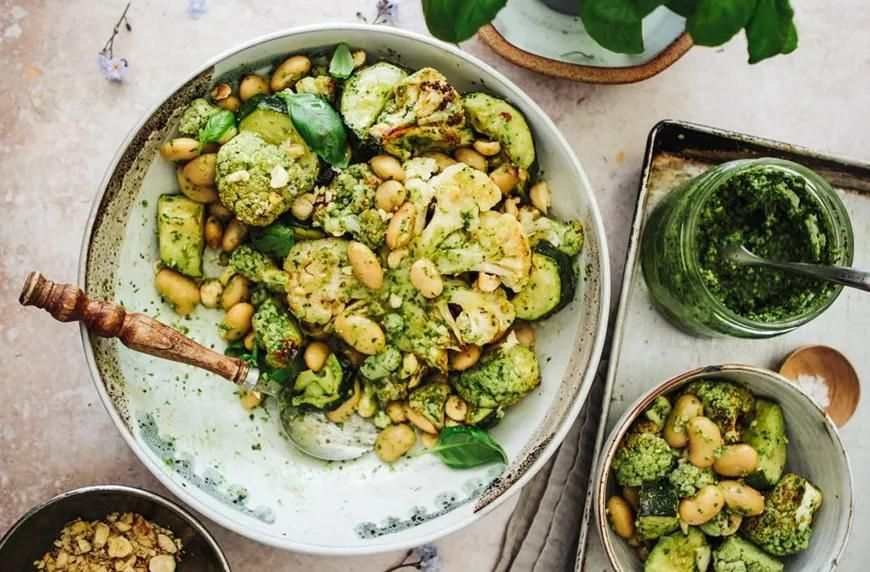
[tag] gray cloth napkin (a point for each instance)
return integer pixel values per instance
(542, 533)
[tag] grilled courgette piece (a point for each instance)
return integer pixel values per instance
(179, 234)
(551, 284)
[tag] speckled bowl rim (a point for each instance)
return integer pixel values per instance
(622, 425)
(132, 491)
(587, 377)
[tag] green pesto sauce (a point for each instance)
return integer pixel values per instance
(774, 215)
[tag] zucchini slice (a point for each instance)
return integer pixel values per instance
(366, 93)
(551, 284)
(503, 122)
(273, 126)
(179, 234)
(766, 434)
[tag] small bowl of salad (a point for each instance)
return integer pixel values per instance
(724, 468)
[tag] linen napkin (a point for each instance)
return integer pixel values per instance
(542, 532)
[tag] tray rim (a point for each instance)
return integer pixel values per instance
(612, 351)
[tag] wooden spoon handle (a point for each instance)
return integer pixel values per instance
(68, 303)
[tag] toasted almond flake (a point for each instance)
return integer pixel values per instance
(280, 177)
(237, 176)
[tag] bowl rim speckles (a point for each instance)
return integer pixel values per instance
(602, 473)
(582, 345)
(125, 490)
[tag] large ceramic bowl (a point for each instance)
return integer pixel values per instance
(814, 451)
(32, 535)
(187, 427)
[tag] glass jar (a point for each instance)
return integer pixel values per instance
(670, 257)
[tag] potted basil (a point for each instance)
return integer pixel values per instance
(617, 25)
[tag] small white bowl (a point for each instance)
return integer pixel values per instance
(814, 451)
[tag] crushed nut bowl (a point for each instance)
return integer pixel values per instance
(33, 534)
(235, 466)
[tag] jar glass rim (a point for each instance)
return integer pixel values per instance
(831, 208)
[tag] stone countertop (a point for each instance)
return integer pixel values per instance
(62, 122)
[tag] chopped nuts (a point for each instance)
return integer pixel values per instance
(120, 543)
(119, 547)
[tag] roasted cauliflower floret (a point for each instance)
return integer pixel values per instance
(347, 206)
(258, 180)
(277, 333)
(429, 400)
(382, 371)
(412, 323)
(501, 378)
(642, 458)
(739, 555)
(566, 236)
(322, 85)
(461, 195)
(424, 113)
(195, 116)
(497, 246)
(483, 316)
(728, 405)
(786, 525)
(687, 479)
(320, 281)
(259, 268)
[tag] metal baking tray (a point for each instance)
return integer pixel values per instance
(646, 349)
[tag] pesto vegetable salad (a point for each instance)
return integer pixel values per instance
(703, 477)
(386, 245)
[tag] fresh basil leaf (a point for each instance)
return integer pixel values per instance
(771, 30)
(341, 65)
(684, 8)
(647, 6)
(274, 240)
(615, 24)
(457, 20)
(216, 126)
(320, 126)
(714, 22)
(464, 447)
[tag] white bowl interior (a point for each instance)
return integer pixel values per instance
(187, 425)
(814, 451)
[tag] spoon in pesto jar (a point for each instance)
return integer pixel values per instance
(740, 255)
(311, 432)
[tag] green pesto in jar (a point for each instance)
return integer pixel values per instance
(774, 214)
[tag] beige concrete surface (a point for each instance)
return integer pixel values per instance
(60, 123)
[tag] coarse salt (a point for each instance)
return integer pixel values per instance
(816, 387)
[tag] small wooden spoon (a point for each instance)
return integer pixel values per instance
(831, 368)
(312, 433)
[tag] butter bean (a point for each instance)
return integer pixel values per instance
(620, 516)
(736, 461)
(289, 72)
(180, 149)
(686, 407)
(705, 439)
(251, 85)
(365, 265)
(703, 506)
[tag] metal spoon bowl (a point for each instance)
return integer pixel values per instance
(739, 254)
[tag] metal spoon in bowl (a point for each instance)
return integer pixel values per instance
(312, 433)
(739, 254)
